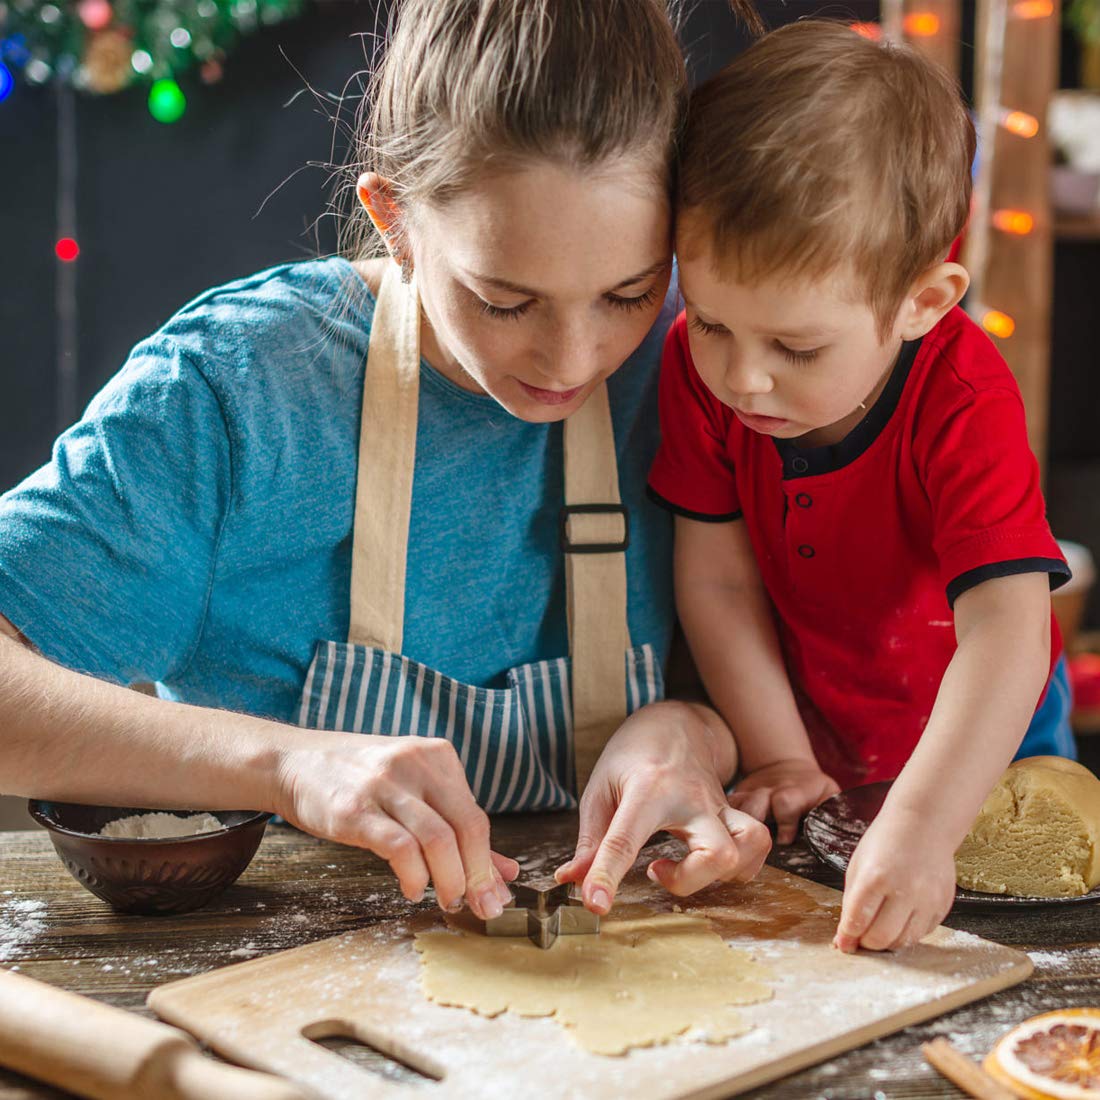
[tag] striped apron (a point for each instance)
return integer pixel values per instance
(532, 744)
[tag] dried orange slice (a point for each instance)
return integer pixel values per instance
(1055, 1056)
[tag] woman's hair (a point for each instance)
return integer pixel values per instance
(470, 86)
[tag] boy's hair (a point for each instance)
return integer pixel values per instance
(818, 148)
(468, 86)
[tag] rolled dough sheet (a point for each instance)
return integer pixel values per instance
(644, 979)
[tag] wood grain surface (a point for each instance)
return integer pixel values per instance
(299, 889)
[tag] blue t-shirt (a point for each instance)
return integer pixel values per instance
(194, 528)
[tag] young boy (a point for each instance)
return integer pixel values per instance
(863, 565)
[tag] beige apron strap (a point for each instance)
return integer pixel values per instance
(387, 454)
(595, 532)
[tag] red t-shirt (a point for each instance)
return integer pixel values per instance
(865, 545)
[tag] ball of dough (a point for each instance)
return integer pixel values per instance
(1038, 833)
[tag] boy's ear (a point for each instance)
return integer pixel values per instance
(376, 195)
(938, 290)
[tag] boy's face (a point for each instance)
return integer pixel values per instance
(789, 356)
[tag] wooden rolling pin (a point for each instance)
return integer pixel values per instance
(106, 1053)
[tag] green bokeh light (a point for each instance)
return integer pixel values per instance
(166, 102)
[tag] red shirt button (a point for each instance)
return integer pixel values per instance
(803, 500)
(807, 551)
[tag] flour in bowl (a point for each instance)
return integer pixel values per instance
(160, 826)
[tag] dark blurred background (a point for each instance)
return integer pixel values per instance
(238, 184)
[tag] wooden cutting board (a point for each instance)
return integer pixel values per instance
(365, 985)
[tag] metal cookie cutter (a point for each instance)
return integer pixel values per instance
(543, 915)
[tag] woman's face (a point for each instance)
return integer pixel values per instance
(539, 283)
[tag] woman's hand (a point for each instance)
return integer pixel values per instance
(408, 801)
(784, 791)
(663, 770)
(900, 884)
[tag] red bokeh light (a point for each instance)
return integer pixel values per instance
(67, 249)
(95, 14)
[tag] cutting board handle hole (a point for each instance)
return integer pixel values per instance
(383, 1056)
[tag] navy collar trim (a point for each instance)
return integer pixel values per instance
(812, 461)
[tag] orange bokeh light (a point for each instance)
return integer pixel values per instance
(1020, 123)
(921, 24)
(1019, 222)
(1032, 9)
(998, 323)
(873, 31)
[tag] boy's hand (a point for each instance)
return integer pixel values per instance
(900, 884)
(659, 773)
(784, 791)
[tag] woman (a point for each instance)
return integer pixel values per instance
(244, 496)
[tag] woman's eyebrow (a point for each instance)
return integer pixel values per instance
(504, 284)
(530, 292)
(653, 269)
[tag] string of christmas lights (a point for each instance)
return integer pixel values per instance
(897, 22)
(996, 116)
(104, 46)
(65, 299)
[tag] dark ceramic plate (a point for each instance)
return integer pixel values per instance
(143, 875)
(834, 828)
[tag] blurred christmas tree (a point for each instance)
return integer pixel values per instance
(103, 46)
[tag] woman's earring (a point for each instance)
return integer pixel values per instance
(863, 404)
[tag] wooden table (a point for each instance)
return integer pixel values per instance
(299, 889)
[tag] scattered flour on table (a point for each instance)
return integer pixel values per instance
(20, 922)
(159, 826)
(1064, 959)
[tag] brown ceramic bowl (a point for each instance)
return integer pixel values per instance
(172, 875)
